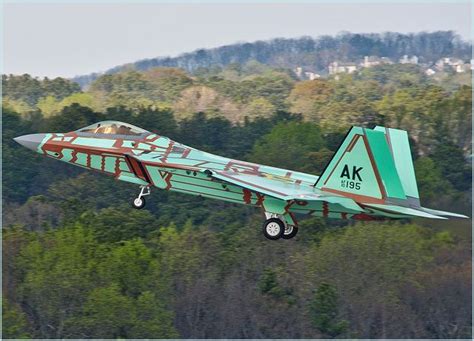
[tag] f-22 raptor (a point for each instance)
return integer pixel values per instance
(370, 177)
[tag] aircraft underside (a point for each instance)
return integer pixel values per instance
(276, 210)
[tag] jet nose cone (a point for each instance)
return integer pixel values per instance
(30, 141)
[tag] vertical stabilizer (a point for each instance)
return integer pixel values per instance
(364, 169)
(400, 147)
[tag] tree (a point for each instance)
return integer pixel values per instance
(14, 324)
(89, 191)
(18, 106)
(324, 311)
(72, 118)
(152, 320)
(452, 163)
(130, 266)
(24, 88)
(441, 298)
(107, 314)
(201, 98)
(307, 96)
(36, 214)
(28, 89)
(394, 75)
(60, 88)
(82, 99)
(288, 145)
(259, 107)
(209, 134)
(13, 155)
(274, 86)
(431, 183)
(367, 264)
(268, 284)
(121, 224)
(454, 122)
(49, 106)
(417, 110)
(160, 121)
(167, 83)
(59, 274)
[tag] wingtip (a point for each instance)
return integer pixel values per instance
(456, 215)
(444, 213)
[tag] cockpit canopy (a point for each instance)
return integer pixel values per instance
(113, 128)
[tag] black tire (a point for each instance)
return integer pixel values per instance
(290, 234)
(138, 203)
(273, 228)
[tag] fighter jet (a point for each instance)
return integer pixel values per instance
(370, 177)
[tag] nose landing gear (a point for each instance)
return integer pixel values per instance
(139, 202)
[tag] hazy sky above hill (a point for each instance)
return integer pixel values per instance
(71, 39)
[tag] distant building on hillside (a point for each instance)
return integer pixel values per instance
(463, 67)
(408, 60)
(370, 61)
(337, 67)
(430, 72)
(299, 72)
(312, 75)
(455, 63)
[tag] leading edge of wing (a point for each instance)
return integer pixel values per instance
(282, 190)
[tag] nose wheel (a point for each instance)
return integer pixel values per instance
(139, 202)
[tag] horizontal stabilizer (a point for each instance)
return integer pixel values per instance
(404, 211)
(443, 213)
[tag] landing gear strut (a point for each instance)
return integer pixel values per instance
(139, 202)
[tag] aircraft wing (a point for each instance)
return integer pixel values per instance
(287, 190)
(281, 189)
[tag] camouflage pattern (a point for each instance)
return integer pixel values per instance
(362, 180)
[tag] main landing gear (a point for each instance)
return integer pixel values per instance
(275, 228)
(139, 202)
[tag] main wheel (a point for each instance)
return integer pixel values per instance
(290, 232)
(273, 228)
(138, 203)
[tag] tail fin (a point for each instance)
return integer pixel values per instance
(400, 147)
(367, 167)
(375, 168)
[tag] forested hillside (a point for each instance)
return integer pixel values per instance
(311, 53)
(79, 262)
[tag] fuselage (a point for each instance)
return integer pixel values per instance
(150, 159)
(140, 157)
(165, 163)
(361, 181)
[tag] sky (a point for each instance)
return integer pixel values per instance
(76, 39)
